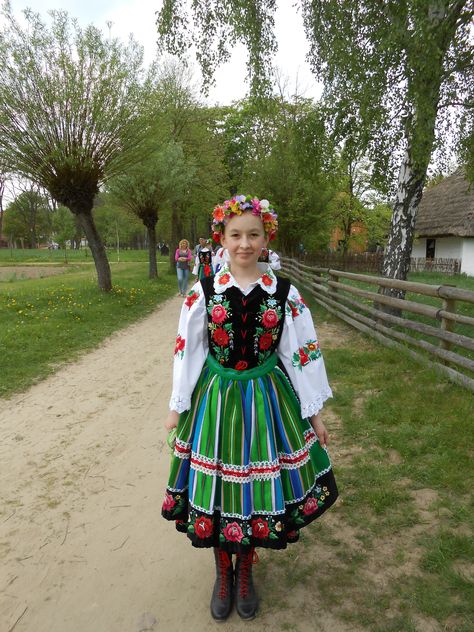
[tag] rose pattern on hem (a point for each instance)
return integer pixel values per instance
(233, 533)
(309, 352)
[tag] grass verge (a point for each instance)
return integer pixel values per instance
(395, 552)
(46, 322)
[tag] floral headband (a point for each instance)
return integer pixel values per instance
(236, 206)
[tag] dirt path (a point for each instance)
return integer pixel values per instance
(83, 468)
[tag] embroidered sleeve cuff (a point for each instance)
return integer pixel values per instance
(180, 404)
(308, 409)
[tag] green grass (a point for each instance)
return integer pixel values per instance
(46, 322)
(44, 256)
(395, 552)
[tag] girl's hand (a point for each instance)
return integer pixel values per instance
(172, 420)
(320, 430)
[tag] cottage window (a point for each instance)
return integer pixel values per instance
(430, 248)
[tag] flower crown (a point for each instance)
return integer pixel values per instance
(236, 206)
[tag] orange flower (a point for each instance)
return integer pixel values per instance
(218, 214)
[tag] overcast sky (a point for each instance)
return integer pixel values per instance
(138, 17)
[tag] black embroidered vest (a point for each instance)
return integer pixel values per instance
(243, 331)
(205, 257)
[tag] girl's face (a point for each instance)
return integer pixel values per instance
(244, 237)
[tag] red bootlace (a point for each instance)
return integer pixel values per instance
(246, 561)
(224, 563)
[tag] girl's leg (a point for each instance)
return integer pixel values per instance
(246, 601)
(221, 600)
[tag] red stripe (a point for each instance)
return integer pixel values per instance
(180, 449)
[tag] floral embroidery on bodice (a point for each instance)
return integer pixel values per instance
(244, 330)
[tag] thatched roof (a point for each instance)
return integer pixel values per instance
(447, 209)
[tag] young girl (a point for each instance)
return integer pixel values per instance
(203, 262)
(250, 466)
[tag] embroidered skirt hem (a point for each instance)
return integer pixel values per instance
(247, 470)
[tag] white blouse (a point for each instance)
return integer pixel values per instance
(298, 349)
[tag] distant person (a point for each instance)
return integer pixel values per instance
(183, 257)
(165, 250)
(203, 262)
(201, 244)
(270, 257)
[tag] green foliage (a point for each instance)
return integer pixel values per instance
(46, 322)
(27, 218)
(116, 225)
(71, 103)
(279, 149)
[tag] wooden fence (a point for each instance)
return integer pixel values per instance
(372, 262)
(341, 294)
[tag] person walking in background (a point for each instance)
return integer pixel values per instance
(183, 256)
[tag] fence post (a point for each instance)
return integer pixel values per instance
(449, 305)
(333, 290)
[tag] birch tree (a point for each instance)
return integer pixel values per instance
(71, 105)
(398, 73)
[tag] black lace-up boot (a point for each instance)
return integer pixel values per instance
(246, 601)
(221, 601)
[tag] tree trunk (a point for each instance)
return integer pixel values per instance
(151, 231)
(102, 266)
(396, 263)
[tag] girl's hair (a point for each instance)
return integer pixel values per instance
(183, 244)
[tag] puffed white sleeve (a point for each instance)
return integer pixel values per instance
(301, 356)
(191, 348)
(274, 260)
(196, 265)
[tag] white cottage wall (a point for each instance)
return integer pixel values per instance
(445, 247)
(449, 248)
(467, 264)
(419, 248)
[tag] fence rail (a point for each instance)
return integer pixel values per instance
(338, 292)
(372, 262)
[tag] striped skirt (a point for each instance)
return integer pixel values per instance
(247, 470)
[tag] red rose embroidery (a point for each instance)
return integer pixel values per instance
(233, 532)
(260, 528)
(265, 341)
(225, 278)
(207, 270)
(270, 318)
(190, 299)
(221, 337)
(241, 365)
(203, 527)
(304, 358)
(266, 280)
(169, 502)
(218, 314)
(180, 344)
(310, 506)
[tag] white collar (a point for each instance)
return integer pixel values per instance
(224, 280)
